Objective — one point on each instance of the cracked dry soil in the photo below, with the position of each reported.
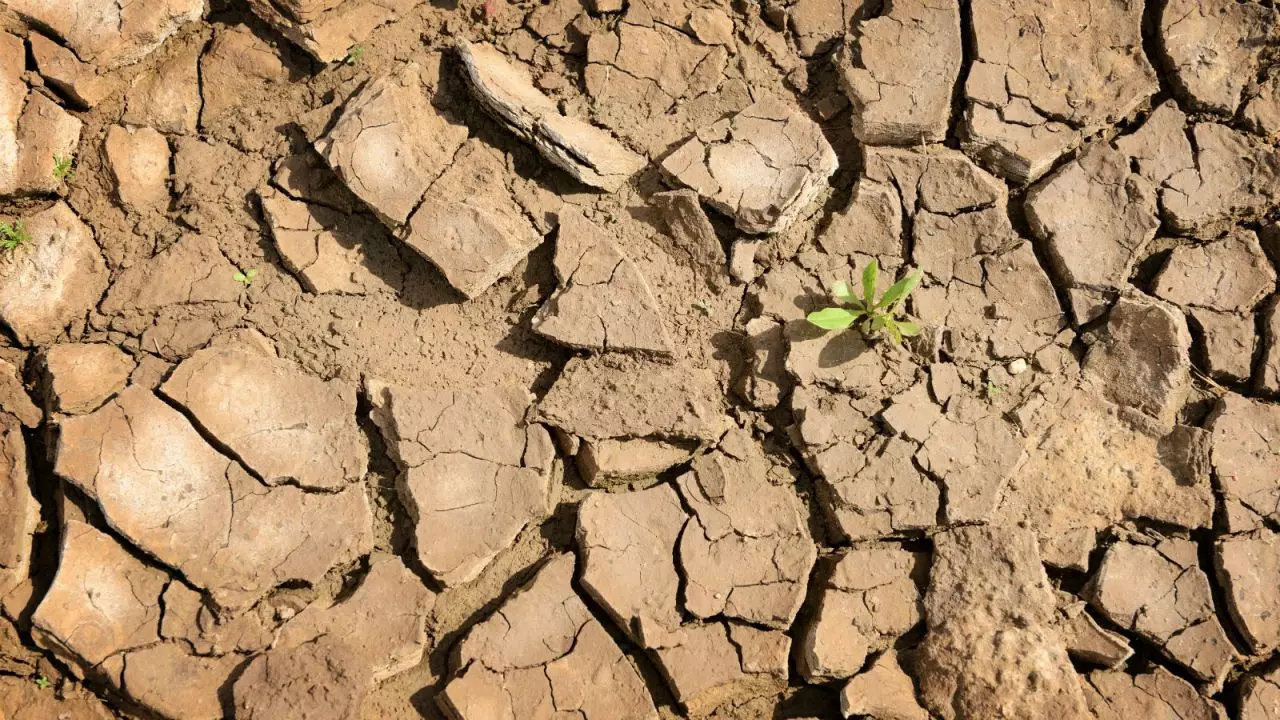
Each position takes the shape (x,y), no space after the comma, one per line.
(389,359)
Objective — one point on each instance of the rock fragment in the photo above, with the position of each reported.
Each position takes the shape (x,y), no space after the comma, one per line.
(1160,593)
(872,599)
(993,648)
(693,233)
(60,67)
(320,680)
(52,279)
(543,652)
(168,98)
(901,96)
(107,33)
(1142,361)
(602,303)
(1248,570)
(285,426)
(474,471)
(139,161)
(19,512)
(328,29)
(161,486)
(1228,275)
(1246,458)
(1158,695)
(195,271)
(1235,179)
(103,601)
(761,167)
(590,155)
(82,376)
(1214,48)
(318,245)
(883,692)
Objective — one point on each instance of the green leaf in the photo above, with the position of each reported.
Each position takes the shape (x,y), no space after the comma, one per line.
(899,291)
(834,318)
(908,328)
(869,283)
(840,291)
(251,273)
(891,327)
(240,277)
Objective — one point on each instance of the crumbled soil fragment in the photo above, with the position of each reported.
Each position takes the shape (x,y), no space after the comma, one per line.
(78,81)
(194,270)
(1089,642)
(1229,343)
(1259,697)
(82,376)
(688,225)
(1160,593)
(14,399)
(22,699)
(762,167)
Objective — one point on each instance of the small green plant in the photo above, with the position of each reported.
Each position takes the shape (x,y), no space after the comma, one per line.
(703,307)
(354,55)
(43,682)
(994,389)
(876,315)
(62,170)
(11,236)
(244,277)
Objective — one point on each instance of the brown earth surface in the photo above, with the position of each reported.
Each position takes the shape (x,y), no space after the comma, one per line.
(392,359)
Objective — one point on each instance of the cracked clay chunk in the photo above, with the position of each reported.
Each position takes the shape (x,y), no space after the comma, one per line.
(62,70)
(110,33)
(543,654)
(901,95)
(603,302)
(285,426)
(1162,594)
(1259,698)
(383,621)
(328,29)
(884,692)
(746,552)
(160,485)
(81,376)
(52,279)
(390,144)
(23,699)
(1248,570)
(473,471)
(993,648)
(872,599)
(628,417)
(1228,275)
(1246,458)
(194,270)
(103,601)
(139,160)
(591,155)
(762,167)
(470,225)
(33,128)
(1031,93)
(167,98)
(1235,179)
(1156,695)
(1214,47)
(1143,359)
(19,512)
(319,680)
(1087,641)
(1229,343)
(694,235)
(174,683)
(1095,217)
(14,398)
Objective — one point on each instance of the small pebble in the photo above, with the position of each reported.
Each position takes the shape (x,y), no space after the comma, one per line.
(1017,367)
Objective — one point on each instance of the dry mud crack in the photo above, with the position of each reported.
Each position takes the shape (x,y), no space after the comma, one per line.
(393,359)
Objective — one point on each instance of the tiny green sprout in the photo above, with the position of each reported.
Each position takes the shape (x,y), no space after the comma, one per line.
(244,277)
(993,389)
(354,55)
(703,307)
(11,236)
(43,682)
(62,170)
(876,315)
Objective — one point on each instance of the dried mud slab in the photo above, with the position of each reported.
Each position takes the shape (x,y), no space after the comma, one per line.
(327,29)
(53,279)
(1087,641)
(1259,695)
(993,647)
(1160,593)
(1246,460)
(1248,570)
(899,94)
(474,471)
(19,512)
(883,691)
(194,270)
(872,598)
(1214,48)
(1158,695)
(1142,359)
(1236,178)
(543,653)
(762,167)
(160,485)
(108,33)
(320,680)
(14,399)
(1230,340)
(167,98)
(27,701)
(622,418)
(171,682)
(81,376)
(33,128)
(1031,95)
(139,159)
(1227,275)
(693,233)
(603,302)
(590,155)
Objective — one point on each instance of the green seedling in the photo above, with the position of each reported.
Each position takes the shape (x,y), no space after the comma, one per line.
(62,170)
(244,277)
(43,683)
(874,316)
(703,307)
(354,55)
(11,236)
(994,389)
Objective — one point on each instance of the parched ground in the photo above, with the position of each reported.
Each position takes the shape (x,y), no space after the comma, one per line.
(395,359)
